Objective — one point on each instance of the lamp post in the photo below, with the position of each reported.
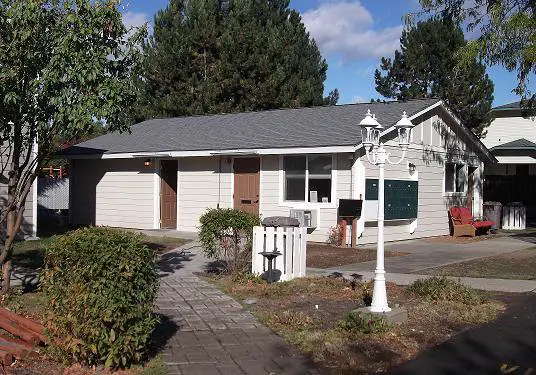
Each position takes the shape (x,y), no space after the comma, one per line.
(377,155)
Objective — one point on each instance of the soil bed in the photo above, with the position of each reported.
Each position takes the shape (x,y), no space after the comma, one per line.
(308,312)
(327,256)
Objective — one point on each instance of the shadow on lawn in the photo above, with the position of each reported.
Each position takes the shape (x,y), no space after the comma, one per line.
(506,345)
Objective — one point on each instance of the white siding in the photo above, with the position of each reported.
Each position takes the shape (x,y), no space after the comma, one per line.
(201,187)
(507,129)
(117,193)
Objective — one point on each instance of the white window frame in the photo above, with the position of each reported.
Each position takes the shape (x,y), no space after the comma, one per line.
(305,204)
(454,192)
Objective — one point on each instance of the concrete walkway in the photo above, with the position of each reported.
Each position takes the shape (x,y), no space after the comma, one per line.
(496,285)
(435,252)
(204,331)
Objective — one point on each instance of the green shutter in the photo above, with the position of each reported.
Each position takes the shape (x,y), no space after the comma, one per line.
(371,189)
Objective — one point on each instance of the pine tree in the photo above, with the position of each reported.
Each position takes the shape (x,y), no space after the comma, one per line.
(214,56)
(426,67)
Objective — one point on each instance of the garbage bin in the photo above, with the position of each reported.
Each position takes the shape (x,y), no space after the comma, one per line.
(493,212)
(514,216)
(280,221)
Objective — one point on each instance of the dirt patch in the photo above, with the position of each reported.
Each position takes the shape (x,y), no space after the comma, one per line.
(327,256)
(519,265)
(308,313)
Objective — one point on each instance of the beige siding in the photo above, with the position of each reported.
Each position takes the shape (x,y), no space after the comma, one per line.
(507,129)
(429,160)
(201,186)
(117,193)
(270,194)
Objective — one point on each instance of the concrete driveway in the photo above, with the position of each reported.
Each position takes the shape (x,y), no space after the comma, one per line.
(434,252)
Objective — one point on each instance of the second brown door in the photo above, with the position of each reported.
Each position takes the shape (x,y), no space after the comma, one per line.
(168,194)
(246,184)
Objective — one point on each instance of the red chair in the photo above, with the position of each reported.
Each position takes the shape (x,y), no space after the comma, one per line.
(463,223)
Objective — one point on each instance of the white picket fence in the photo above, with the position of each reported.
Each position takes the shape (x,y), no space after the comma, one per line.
(291,242)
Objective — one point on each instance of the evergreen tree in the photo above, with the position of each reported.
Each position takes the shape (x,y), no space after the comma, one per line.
(426,67)
(214,56)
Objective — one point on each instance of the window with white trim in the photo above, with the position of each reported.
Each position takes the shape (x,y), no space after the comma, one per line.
(455,178)
(308,178)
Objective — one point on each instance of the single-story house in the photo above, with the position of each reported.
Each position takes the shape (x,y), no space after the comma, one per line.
(166,173)
(511,138)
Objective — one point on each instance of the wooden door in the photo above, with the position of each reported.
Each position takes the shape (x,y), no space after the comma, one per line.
(246,184)
(168,194)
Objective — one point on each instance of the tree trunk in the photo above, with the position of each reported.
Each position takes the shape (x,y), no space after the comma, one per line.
(6,266)
(6,272)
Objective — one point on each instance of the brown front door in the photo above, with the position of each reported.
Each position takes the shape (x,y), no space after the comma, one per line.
(246,184)
(168,194)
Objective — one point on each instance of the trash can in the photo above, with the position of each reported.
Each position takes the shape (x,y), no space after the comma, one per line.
(493,212)
(514,216)
(280,221)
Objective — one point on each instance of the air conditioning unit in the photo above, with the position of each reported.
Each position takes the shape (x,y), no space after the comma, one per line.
(307,218)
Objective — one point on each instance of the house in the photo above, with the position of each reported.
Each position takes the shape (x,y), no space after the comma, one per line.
(167,172)
(511,138)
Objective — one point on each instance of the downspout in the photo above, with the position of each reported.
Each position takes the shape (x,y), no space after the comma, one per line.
(219,183)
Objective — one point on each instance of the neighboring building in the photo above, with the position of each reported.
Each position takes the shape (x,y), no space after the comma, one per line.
(511,138)
(167,172)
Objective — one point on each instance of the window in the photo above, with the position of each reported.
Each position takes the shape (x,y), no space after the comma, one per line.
(455,178)
(308,178)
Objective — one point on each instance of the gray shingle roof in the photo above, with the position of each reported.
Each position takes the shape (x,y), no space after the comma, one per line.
(518,144)
(513,105)
(283,128)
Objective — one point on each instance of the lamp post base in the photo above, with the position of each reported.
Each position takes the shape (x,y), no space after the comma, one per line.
(393,316)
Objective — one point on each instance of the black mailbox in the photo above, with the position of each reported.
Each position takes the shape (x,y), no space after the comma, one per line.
(350,208)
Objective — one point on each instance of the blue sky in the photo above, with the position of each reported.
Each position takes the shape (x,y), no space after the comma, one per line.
(352,36)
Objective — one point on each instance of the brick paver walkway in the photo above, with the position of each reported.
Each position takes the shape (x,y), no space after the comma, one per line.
(211,333)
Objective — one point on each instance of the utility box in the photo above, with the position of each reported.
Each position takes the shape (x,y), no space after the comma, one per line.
(493,212)
(306,218)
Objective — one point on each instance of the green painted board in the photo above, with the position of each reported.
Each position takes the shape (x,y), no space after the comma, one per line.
(401,198)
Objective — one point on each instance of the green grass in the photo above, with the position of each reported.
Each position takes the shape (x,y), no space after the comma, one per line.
(155,366)
(519,265)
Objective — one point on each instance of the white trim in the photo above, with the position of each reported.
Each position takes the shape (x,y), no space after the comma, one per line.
(177,192)
(260,186)
(230,152)
(304,204)
(156,192)
(465,171)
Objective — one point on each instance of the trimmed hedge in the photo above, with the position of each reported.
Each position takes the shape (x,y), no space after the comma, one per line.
(101,285)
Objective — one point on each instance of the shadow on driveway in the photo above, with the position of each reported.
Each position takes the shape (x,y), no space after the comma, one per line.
(506,345)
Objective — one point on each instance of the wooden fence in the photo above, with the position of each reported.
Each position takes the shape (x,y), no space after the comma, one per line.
(291,242)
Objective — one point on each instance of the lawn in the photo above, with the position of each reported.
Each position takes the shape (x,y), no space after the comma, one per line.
(308,313)
(517,265)
(328,256)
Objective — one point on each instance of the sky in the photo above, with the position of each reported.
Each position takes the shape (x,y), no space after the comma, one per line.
(352,36)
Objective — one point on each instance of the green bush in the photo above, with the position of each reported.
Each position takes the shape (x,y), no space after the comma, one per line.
(444,289)
(364,323)
(226,235)
(101,285)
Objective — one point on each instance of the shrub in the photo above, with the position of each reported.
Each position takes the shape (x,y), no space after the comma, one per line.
(226,235)
(364,323)
(444,289)
(100,284)
(335,235)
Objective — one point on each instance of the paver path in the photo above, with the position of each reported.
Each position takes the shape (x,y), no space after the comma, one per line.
(208,332)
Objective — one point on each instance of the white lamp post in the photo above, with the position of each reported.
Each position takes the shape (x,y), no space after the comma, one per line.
(377,155)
